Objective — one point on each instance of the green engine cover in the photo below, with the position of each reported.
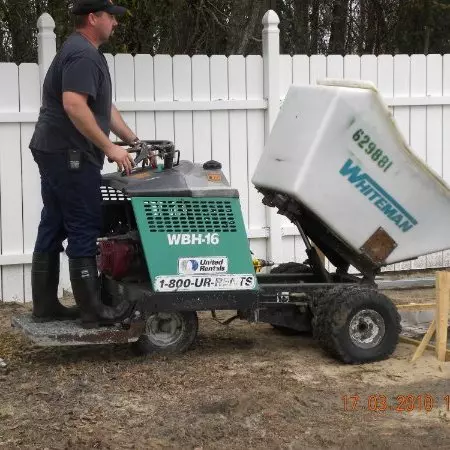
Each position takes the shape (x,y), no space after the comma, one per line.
(194,244)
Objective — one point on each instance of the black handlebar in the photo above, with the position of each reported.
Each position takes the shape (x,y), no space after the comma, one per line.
(150,148)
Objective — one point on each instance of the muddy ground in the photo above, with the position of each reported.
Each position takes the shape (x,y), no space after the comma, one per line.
(244,386)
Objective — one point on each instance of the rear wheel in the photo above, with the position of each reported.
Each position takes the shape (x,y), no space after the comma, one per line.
(356,324)
(290,267)
(168,333)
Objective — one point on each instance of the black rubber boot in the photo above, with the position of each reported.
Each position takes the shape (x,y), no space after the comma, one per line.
(86,290)
(44,286)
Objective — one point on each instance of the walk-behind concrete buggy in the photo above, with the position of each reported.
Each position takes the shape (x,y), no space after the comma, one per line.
(174,241)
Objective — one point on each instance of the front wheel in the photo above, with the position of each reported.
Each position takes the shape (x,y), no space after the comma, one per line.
(168,333)
(356,325)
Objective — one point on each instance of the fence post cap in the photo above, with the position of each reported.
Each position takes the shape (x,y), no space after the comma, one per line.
(46,21)
(270,18)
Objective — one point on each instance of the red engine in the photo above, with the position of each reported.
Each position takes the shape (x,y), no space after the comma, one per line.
(117,257)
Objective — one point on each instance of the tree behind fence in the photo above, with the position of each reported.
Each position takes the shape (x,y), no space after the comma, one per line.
(234,27)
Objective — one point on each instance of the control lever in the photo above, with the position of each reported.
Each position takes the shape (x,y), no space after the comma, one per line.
(149,150)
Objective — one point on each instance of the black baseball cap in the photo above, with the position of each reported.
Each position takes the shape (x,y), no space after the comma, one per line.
(83,7)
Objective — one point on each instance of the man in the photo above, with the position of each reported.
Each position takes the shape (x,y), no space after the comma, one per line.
(69,145)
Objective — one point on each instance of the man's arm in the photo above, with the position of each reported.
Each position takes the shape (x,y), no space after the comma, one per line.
(76,107)
(120,128)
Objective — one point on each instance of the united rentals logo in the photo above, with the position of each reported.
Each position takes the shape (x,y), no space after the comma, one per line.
(189,266)
(378,196)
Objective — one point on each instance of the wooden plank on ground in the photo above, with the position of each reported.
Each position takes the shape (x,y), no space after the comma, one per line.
(442,308)
(412,283)
(425,341)
(416,306)
(407,340)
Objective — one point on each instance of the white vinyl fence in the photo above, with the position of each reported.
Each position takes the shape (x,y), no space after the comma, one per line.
(212,107)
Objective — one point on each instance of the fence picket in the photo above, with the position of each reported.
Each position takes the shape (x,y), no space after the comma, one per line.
(300,69)
(285,74)
(238,132)
(202,119)
(125,85)
(434,131)
(418,135)
(418,113)
(286,78)
(255,146)
(182,91)
(317,68)
(220,129)
(369,68)
(29,101)
(402,113)
(352,67)
(107,166)
(300,76)
(335,67)
(446,138)
(385,80)
(144,92)
(164,128)
(11,185)
(112,71)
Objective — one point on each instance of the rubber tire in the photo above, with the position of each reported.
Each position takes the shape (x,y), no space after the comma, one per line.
(333,311)
(291,267)
(144,346)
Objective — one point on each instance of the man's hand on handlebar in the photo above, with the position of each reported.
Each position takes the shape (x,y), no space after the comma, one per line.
(121,157)
(146,155)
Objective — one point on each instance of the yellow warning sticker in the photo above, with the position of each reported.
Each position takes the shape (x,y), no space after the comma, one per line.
(214,177)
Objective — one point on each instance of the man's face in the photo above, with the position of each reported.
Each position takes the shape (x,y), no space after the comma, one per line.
(104,24)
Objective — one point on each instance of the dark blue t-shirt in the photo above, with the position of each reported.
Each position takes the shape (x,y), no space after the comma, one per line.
(78,67)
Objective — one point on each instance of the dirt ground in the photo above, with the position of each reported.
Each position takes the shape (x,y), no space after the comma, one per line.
(242,386)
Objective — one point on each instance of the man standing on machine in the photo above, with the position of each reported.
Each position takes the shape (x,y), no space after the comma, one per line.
(69,145)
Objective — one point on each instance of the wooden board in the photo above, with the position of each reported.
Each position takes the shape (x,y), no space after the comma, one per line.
(442,310)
